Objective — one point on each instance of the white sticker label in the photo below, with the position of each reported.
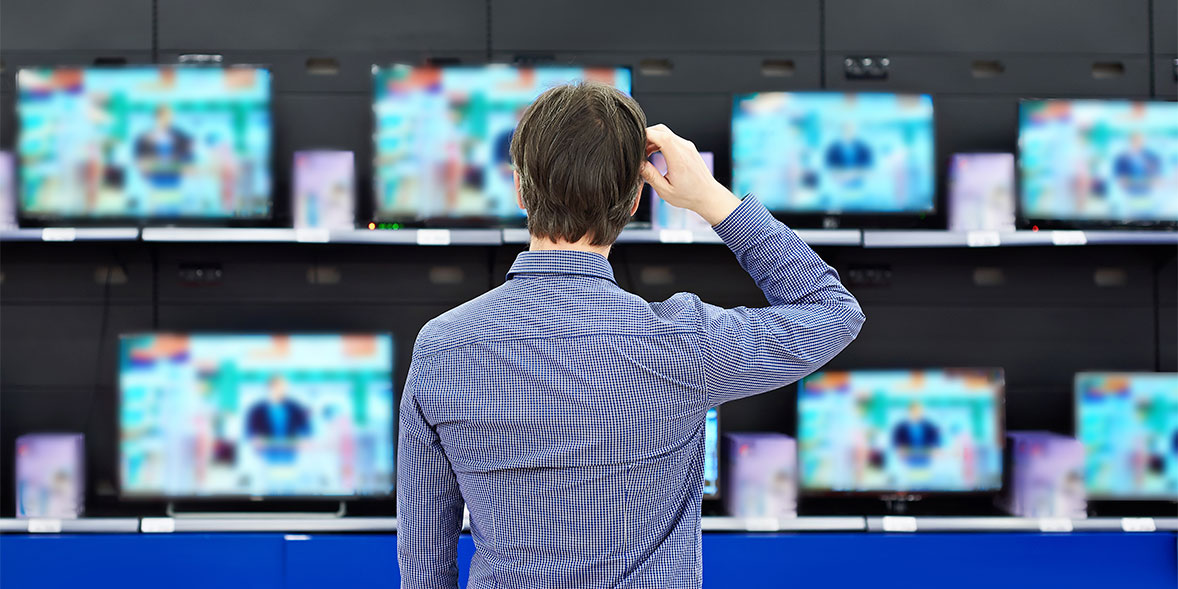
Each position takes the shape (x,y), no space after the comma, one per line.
(157,525)
(762,524)
(312,235)
(296,537)
(1068,238)
(899,523)
(43,525)
(983,239)
(1138,524)
(433,237)
(1055,524)
(59,234)
(676,236)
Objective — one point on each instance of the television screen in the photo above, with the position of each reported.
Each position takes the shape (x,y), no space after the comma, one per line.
(7,190)
(1105,161)
(834,153)
(324,190)
(139,143)
(981,192)
(901,430)
(1128,423)
(712,454)
(443,135)
(50,475)
(206,415)
(665,216)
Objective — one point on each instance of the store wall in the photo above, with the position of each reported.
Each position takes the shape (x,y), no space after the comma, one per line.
(1052,312)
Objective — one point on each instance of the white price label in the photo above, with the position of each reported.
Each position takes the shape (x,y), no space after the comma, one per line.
(1138,524)
(1068,238)
(157,525)
(983,239)
(296,537)
(762,524)
(899,523)
(433,237)
(1055,524)
(312,235)
(44,525)
(59,234)
(676,236)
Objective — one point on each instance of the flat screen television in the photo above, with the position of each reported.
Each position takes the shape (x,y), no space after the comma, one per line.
(1096,163)
(712,454)
(981,192)
(664,216)
(849,159)
(885,432)
(144,145)
(220,416)
(324,189)
(1128,423)
(442,138)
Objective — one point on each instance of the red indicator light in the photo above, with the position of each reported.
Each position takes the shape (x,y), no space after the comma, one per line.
(373,226)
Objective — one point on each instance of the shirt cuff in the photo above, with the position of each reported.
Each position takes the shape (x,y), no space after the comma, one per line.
(742,227)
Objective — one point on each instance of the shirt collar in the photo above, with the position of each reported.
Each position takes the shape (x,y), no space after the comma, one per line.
(562,262)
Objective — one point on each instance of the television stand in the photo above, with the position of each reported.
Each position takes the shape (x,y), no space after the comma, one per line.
(225,510)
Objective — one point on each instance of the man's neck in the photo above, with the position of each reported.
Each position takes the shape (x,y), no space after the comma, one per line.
(540,244)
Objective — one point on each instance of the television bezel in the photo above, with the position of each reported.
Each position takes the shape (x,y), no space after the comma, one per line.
(24,219)
(146,497)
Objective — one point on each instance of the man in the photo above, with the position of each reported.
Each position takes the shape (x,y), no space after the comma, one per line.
(277,424)
(163,152)
(569,414)
(916,437)
(1137,169)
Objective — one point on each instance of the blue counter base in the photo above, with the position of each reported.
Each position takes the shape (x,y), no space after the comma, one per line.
(875,561)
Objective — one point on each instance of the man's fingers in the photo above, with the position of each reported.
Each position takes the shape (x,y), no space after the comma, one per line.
(655,178)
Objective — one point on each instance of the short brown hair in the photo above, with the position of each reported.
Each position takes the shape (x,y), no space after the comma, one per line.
(579,150)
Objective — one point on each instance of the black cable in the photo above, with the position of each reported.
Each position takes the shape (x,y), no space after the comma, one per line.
(103,326)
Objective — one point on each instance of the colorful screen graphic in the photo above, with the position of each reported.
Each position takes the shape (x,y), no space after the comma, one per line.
(1099,160)
(834,153)
(50,475)
(665,216)
(1128,423)
(443,136)
(7,190)
(256,415)
(981,192)
(324,190)
(144,143)
(901,430)
(711,453)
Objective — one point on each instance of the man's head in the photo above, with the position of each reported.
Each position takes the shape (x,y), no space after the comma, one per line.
(577,152)
(277,389)
(915,411)
(163,116)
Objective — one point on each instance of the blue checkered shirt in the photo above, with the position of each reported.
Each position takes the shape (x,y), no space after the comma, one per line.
(568,414)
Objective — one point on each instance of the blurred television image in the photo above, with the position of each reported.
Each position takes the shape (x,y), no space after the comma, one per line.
(324,190)
(50,475)
(981,192)
(889,431)
(141,143)
(1128,423)
(7,190)
(834,153)
(761,475)
(1099,161)
(666,216)
(712,454)
(1045,476)
(262,415)
(443,137)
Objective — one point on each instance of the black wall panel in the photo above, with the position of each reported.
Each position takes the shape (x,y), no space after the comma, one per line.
(536,26)
(1165,26)
(62,25)
(282,25)
(1007,26)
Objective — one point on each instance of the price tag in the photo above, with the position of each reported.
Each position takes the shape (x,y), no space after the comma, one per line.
(44,525)
(433,237)
(762,524)
(157,525)
(899,523)
(1138,524)
(1055,524)
(59,234)
(983,239)
(312,235)
(296,537)
(1068,238)
(676,236)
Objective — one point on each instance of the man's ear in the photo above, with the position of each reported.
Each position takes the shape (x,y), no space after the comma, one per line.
(637,199)
(519,199)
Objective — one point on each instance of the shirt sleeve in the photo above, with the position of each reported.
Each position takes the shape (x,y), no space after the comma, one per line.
(429,502)
(811,317)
